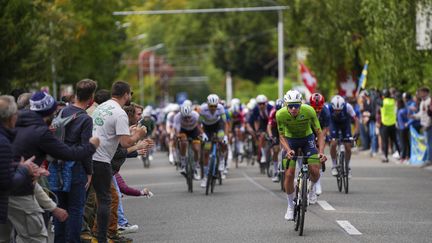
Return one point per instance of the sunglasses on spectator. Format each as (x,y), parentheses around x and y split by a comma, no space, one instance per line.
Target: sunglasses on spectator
(296,106)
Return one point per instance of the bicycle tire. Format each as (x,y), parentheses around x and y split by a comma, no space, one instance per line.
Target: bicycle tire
(340,158)
(219,173)
(303,204)
(297,207)
(345,177)
(209,181)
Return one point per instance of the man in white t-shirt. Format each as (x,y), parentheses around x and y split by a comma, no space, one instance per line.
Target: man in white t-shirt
(111,125)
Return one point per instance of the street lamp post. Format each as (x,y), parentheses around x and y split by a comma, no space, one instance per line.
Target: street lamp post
(141,68)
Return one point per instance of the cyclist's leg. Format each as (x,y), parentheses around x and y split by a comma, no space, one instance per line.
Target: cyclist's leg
(276,150)
(183,146)
(333,144)
(346,135)
(289,166)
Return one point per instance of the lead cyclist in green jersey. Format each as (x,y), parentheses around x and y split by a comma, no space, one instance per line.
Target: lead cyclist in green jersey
(295,123)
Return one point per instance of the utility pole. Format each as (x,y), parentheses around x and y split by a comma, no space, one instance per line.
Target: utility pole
(228,88)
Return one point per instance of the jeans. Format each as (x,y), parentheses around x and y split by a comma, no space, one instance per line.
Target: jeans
(73,202)
(428,136)
(364,136)
(102,178)
(373,137)
(121,216)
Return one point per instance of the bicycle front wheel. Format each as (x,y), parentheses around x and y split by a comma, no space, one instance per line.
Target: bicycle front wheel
(345,176)
(303,204)
(340,170)
(189,178)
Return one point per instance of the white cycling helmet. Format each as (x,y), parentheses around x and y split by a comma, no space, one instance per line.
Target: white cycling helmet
(235,101)
(176,107)
(236,107)
(272,103)
(213,99)
(338,102)
(292,96)
(187,102)
(261,98)
(186,110)
(252,103)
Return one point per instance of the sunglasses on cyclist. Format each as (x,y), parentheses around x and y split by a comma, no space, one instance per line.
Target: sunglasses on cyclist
(212,106)
(263,103)
(296,106)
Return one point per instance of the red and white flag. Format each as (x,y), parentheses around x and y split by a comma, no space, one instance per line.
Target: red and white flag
(308,78)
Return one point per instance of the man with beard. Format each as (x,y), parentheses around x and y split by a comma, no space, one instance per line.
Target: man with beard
(111,125)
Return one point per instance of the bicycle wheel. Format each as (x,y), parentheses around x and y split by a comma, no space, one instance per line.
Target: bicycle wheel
(218,173)
(339,168)
(303,204)
(297,203)
(345,176)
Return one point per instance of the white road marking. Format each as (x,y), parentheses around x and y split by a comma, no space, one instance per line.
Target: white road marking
(258,185)
(348,227)
(325,205)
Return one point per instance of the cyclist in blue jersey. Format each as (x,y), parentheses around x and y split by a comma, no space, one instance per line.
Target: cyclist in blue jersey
(342,114)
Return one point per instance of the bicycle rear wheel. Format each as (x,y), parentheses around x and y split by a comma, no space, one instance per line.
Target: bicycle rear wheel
(303,204)
(340,170)
(189,177)
(297,203)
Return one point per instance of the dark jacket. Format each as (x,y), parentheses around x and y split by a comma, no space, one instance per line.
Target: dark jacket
(11,174)
(34,138)
(78,132)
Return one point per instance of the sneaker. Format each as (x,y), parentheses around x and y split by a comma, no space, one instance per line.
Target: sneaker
(197,174)
(221,166)
(182,170)
(312,197)
(275,177)
(171,158)
(334,171)
(119,239)
(127,228)
(223,176)
(385,160)
(318,188)
(225,172)
(150,157)
(396,155)
(349,174)
(289,215)
(204,182)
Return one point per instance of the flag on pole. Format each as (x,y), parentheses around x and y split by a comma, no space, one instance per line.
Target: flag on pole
(363,78)
(308,78)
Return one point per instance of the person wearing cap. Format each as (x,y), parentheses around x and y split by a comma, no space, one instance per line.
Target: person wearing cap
(33,138)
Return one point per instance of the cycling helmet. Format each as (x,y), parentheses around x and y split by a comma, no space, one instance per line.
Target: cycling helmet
(272,103)
(292,96)
(176,107)
(252,103)
(279,103)
(338,102)
(261,98)
(235,101)
(213,99)
(317,101)
(187,102)
(235,108)
(186,110)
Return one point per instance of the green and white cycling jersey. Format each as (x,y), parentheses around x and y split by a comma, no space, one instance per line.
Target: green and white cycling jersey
(300,126)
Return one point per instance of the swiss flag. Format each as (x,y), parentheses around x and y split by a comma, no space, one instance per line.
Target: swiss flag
(308,78)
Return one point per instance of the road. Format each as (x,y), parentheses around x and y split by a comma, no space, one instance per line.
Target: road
(386,203)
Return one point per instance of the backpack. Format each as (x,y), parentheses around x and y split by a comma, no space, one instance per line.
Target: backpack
(60,178)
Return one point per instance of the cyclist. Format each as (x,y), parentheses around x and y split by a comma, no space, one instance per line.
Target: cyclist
(272,130)
(259,119)
(342,113)
(297,124)
(237,121)
(317,102)
(213,119)
(186,125)
(174,109)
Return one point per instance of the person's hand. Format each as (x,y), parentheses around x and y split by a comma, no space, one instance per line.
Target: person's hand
(95,141)
(89,179)
(43,172)
(204,137)
(150,143)
(60,214)
(32,167)
(132,128)
(146,193)
(142,144)
(290,154)
(141,131)
(322,158)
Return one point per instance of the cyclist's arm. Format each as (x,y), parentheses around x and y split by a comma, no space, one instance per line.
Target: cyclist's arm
(284,142)
(353,115)
(321,140)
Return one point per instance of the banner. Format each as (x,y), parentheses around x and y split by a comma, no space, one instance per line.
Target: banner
(418,147)
(363,78)
(308,78)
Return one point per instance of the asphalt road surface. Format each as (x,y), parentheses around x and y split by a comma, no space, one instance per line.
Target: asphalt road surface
(386,203)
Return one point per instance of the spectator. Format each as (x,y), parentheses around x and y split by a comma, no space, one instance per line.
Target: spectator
(100,97)
(9,179)
(24,101)
(369,113)
(388,123)
(77,132)
(425,121)
(110,122)
(403,129)
(33,137)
